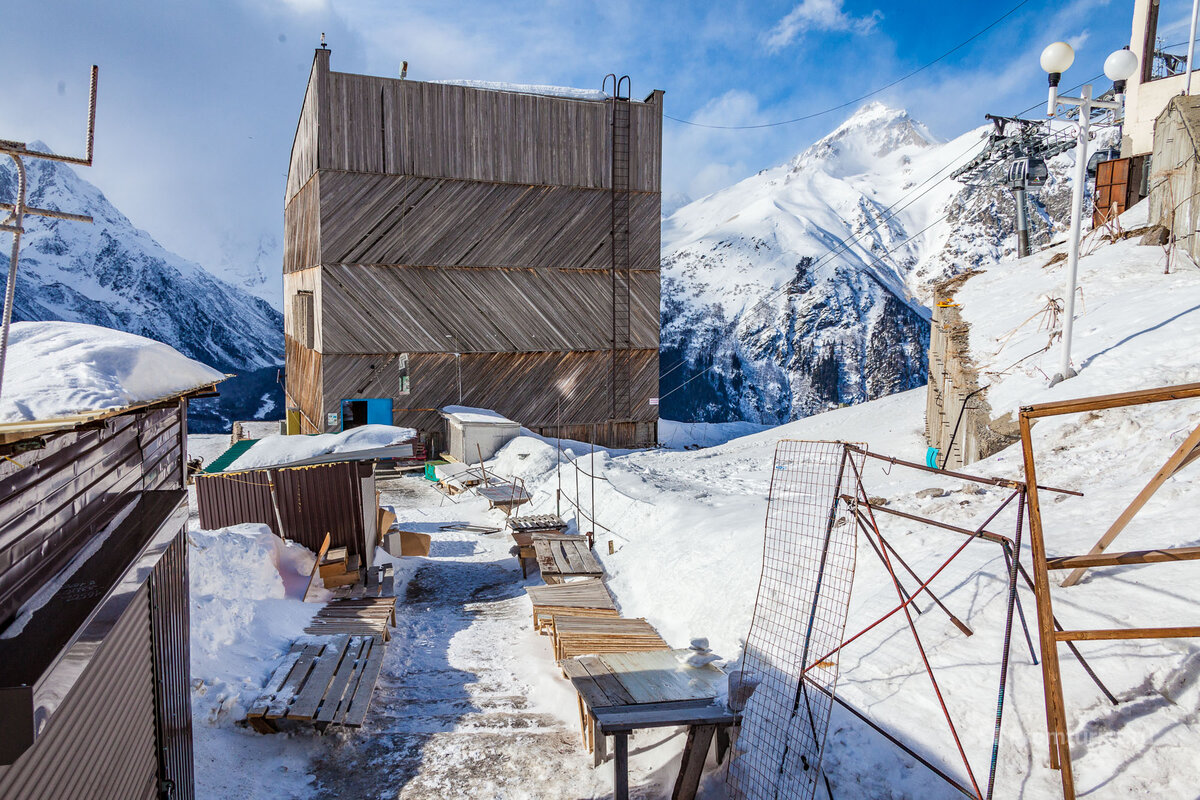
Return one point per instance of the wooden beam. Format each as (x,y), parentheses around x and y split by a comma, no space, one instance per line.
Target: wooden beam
(1128,633)
(1169,468)
(695,752)
(1119,400)
(1060,749)
(1080,563)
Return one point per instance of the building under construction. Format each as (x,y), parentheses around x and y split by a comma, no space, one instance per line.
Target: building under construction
(449,244)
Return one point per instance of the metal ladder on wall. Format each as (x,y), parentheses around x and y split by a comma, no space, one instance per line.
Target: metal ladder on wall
(621,279)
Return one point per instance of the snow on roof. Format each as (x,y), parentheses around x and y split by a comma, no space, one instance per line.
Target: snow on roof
(529,88)
(275,450)
(58,369)
(475,415)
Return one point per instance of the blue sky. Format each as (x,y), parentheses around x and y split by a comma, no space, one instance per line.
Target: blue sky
(198,101)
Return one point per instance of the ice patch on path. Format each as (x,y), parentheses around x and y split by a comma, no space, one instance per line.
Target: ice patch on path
(273,450)
(246,585)
(55,369)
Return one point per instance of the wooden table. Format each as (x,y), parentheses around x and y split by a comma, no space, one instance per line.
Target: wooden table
(624,692)
(561,555)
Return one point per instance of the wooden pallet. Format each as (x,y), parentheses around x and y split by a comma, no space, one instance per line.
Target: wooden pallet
(574,636)
(564,556)
(324,682)
(363,616)
(537,523)
(380,583)
(588,598)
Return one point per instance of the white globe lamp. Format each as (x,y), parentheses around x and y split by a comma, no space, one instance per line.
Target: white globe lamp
(1057,58)
(1120,65)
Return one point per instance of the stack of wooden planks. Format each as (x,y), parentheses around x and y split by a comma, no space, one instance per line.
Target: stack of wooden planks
(588,598)
(369,616)
(562,556)
(523,530)
(573,636)
(321,681)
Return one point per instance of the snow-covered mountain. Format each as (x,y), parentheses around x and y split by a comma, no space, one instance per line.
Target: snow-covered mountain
(767,316)
(112,274)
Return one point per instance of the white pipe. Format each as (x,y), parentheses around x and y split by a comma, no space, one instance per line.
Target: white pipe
(1081,158)
(1187,84)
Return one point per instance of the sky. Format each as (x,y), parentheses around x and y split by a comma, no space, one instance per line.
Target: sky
(198,101)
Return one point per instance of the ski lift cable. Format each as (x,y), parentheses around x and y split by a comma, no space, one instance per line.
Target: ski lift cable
(872,93)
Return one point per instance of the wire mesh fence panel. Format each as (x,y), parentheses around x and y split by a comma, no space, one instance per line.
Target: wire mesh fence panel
(799,616)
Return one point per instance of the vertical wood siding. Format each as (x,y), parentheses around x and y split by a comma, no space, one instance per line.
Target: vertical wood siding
(302,228)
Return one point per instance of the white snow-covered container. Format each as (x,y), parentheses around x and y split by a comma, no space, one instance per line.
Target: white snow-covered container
(476,433)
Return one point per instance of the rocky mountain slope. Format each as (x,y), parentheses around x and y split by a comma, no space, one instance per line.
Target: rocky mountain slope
(109,273)
(801,288)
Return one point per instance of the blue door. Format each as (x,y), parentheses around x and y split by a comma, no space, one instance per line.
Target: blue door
(375,411)
(379,412)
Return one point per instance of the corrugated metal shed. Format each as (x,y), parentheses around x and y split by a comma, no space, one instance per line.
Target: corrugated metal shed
(298,503)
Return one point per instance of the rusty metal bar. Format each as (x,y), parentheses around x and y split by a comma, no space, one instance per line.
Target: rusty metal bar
(1002,482)
(982,534)
(48,212)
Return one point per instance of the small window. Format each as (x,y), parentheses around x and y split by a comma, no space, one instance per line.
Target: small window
(403,387)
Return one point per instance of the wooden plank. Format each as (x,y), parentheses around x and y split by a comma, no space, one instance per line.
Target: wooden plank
(1127,633)
(1056,722)
(316,565)
(1169,468)
(634,718)
(1131,557)
(361,698)
(309,698)
(1118,400)
(589,691)
(613,689)
(695,752)
(259,707)
(283,698)
(332,704)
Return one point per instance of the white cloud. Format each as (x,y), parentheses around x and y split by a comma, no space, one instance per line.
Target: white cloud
(817,15)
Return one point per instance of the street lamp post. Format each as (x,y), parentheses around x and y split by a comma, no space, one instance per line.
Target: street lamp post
(1119,66)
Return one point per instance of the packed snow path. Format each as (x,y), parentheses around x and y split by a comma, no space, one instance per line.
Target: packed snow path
(456,712)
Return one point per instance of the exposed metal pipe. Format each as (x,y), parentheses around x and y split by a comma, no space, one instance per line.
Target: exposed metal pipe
(1187,84)
(17,217)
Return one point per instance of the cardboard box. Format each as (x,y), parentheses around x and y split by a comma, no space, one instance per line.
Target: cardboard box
(407,543)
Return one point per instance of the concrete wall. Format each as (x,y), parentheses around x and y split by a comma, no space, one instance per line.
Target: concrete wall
(958,419)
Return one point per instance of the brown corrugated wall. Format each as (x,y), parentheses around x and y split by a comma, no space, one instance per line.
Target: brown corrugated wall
(100,744)
(172,669)
(313,501)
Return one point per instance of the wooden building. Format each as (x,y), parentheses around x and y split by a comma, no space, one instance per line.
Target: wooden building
(94,664)
(451,245)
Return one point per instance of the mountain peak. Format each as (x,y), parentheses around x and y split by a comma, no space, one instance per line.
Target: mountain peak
(874,131)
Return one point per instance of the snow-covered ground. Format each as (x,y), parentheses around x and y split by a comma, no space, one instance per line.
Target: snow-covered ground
(470,704)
